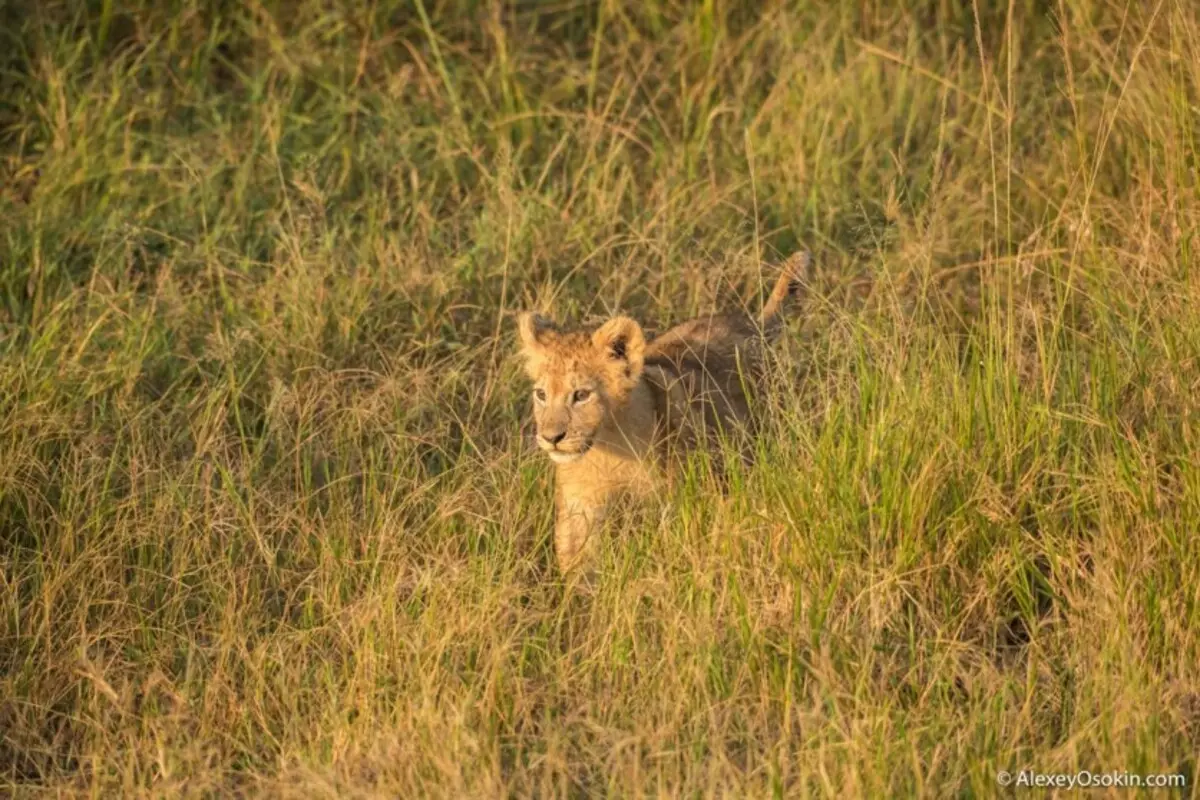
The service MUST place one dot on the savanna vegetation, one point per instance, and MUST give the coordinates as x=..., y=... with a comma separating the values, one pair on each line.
x=270, y=520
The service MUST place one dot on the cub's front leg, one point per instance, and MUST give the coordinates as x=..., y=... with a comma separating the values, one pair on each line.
x=580, y=512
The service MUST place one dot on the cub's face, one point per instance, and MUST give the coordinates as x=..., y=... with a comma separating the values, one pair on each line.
x=580, y=379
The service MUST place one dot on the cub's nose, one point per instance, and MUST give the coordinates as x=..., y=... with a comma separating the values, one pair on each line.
x=554, y=438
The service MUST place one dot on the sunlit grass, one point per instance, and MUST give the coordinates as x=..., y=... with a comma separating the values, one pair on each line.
x=269, y=523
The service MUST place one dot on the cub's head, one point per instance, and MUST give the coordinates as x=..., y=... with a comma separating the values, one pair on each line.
x=579, y=379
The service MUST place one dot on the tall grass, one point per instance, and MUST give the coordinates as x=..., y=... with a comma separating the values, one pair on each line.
x=269, y=523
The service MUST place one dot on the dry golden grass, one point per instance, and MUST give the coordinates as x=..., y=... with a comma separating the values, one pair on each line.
x=269, y=524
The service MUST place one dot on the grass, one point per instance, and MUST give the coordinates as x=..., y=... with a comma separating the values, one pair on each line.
x=269, y=520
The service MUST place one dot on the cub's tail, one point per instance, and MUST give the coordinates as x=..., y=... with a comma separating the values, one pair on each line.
x=791, y=278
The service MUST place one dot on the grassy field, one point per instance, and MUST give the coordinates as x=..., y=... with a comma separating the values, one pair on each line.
x=270, y=519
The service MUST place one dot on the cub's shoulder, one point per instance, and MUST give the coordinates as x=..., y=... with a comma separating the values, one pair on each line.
x=713, y=344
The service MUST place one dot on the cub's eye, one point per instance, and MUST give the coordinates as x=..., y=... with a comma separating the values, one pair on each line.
x=540, y=395
x=582, y=394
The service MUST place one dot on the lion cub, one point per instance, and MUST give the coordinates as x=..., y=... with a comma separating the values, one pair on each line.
x=613, y=409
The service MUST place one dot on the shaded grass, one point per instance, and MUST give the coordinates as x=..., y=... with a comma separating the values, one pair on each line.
x=267, y=520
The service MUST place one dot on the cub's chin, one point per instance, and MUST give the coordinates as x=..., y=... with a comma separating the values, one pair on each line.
x=559, y=457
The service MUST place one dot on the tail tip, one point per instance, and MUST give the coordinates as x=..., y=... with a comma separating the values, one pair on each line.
x=792, y=277
x=796, y=271
x=798, y=266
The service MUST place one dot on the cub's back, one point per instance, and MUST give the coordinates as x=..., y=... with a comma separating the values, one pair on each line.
x=703, y=368
x=718, y=341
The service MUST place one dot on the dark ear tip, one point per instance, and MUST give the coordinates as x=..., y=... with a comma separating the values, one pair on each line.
x=532, y=326
x=620, y=338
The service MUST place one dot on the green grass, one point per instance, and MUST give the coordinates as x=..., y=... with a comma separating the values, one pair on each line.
x=269, y=521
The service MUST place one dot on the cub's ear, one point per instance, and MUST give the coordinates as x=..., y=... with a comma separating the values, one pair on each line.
x=533, y=329
x=621, y=340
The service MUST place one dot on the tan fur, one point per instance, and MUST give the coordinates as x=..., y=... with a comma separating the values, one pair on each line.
x=612, y=410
